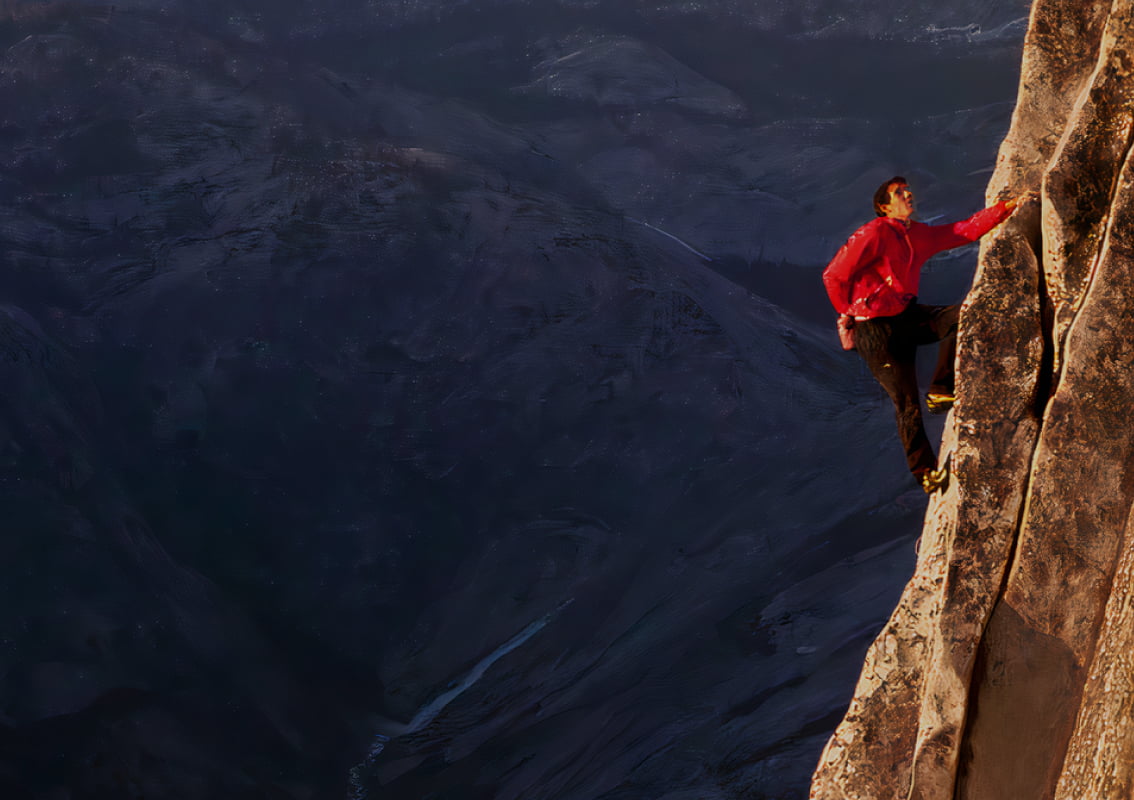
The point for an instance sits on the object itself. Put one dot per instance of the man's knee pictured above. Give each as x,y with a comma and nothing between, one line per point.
948,319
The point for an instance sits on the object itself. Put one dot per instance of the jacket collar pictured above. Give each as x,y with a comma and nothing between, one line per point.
897,224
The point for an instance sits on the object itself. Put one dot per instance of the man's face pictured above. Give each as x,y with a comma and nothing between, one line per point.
901,205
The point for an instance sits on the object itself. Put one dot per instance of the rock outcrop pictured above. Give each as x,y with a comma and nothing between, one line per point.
1005,670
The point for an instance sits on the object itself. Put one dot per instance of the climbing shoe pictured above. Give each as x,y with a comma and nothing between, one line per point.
939,402
934,479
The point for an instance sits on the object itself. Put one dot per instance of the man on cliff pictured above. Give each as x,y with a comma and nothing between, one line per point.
872,282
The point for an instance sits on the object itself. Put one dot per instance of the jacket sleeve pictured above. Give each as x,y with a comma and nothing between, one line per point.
946,237
838,277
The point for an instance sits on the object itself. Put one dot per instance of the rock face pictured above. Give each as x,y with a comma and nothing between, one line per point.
1006,671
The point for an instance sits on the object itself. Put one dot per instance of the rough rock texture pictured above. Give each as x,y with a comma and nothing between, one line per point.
1005,672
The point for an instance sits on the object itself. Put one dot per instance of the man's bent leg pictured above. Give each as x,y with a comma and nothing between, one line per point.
941,326
892,364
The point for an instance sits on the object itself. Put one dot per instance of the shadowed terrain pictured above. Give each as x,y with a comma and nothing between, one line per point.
415,400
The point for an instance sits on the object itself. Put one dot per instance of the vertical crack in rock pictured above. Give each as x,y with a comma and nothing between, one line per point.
1005,671
1100,756
1080,185
1042,632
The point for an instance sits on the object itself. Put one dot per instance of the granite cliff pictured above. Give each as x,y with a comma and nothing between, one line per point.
1005,669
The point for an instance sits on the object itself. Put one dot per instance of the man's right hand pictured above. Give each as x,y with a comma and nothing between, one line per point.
1019,200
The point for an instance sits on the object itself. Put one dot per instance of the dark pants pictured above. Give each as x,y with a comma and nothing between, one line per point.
889,345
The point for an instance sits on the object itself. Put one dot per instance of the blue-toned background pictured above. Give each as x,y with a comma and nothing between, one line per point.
418,399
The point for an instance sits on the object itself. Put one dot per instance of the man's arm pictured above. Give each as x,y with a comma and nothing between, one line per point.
859,250
946,237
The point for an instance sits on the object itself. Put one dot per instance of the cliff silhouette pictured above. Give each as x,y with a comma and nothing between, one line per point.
1005,672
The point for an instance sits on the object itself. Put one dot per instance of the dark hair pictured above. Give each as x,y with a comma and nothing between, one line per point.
882,196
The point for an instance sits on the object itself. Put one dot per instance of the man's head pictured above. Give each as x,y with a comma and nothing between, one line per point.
894,199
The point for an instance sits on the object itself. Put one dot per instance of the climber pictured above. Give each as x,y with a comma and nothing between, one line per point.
872,282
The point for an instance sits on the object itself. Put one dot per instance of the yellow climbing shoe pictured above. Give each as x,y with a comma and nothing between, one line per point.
934,479
939,402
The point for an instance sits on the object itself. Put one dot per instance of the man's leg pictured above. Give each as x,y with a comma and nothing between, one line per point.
939,324
890,357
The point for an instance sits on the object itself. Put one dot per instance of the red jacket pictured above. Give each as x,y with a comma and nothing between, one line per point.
876,273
